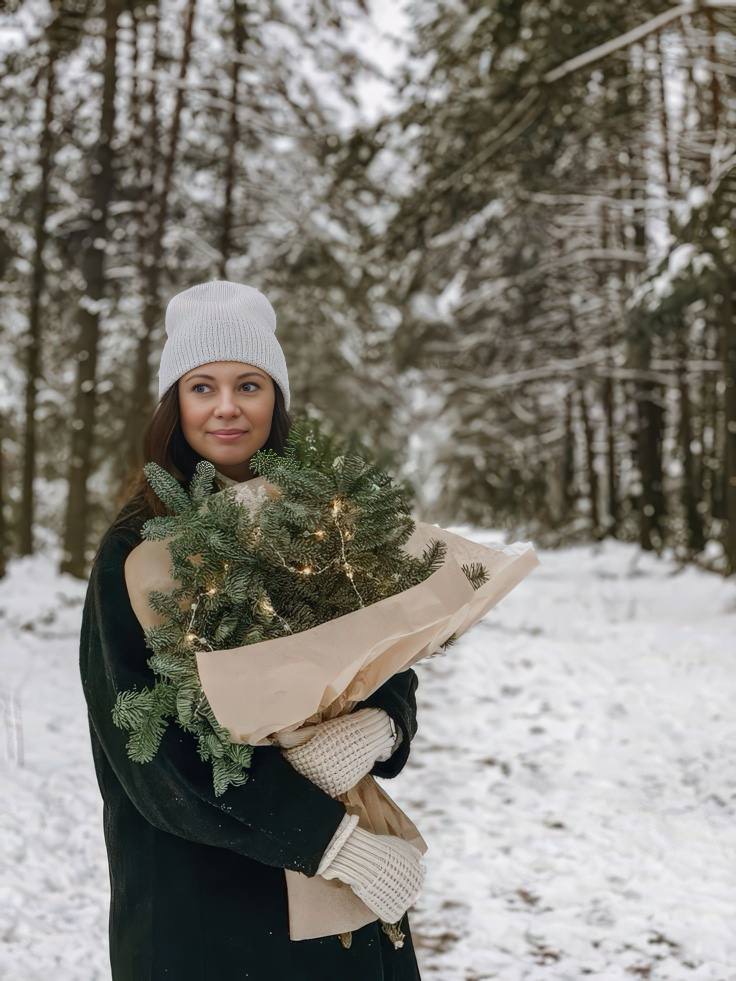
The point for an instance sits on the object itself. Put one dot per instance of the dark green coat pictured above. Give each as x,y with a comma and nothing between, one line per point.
197,885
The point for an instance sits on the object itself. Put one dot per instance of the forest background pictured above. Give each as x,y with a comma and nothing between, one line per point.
498,237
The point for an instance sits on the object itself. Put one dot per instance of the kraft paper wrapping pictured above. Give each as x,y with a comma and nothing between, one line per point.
272,692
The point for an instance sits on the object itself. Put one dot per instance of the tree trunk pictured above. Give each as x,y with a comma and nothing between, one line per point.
142,402
649,416
608,395
595,520
609,408
33,339
728,354
93,270
239,40
688,493
648,399
568,460
695,537
712,483
4,544
146,141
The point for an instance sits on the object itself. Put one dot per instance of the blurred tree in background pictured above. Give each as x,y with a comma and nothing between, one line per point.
513,277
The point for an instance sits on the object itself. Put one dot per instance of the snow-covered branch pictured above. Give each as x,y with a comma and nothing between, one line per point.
633,36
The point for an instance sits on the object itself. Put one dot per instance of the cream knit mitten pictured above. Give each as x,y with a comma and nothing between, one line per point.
384,871
343,750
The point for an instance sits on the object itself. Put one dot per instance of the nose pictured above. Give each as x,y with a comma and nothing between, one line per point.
226,406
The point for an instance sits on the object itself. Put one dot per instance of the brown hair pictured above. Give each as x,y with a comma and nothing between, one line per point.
164,443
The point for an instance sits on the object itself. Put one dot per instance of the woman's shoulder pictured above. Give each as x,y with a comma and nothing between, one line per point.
121,536
114,575
110,628
107,572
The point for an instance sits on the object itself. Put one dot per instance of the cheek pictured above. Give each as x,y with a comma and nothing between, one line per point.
262,413
190,411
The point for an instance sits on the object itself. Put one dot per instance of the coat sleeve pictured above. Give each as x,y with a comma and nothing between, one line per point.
277,816
397,697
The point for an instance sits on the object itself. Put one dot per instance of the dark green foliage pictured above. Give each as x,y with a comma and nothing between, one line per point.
328,544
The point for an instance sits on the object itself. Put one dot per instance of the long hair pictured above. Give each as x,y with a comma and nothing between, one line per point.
164,443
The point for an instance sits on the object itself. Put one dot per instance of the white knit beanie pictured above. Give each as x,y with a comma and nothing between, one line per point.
221,321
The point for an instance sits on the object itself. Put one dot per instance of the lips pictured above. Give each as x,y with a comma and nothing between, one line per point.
228,435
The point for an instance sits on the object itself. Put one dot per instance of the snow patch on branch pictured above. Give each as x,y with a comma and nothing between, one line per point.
684,260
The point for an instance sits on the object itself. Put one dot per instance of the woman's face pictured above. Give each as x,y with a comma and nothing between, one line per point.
227,395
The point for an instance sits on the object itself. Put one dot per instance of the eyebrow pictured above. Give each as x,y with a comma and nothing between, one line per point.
245,374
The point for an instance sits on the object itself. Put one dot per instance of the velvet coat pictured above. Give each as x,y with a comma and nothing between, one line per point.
197,888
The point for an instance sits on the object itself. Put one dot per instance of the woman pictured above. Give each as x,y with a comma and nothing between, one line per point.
197,884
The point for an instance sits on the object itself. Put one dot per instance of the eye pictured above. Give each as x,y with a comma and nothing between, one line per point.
197,385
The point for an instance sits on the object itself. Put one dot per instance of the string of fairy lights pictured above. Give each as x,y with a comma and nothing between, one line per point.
264,604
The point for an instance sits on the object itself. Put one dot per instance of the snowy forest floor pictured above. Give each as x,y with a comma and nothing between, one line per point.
574,775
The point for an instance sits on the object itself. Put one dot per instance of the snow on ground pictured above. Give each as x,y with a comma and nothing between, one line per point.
574,775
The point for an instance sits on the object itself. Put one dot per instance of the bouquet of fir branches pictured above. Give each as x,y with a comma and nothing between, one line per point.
251,568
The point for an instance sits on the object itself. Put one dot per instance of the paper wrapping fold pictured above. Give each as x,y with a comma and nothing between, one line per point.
263,693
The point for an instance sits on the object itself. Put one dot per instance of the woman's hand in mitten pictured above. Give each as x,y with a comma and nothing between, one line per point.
385,871
343,750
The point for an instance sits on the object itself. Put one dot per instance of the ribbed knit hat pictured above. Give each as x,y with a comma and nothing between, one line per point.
221,321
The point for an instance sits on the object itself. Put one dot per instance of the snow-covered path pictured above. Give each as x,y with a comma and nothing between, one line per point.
574,775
